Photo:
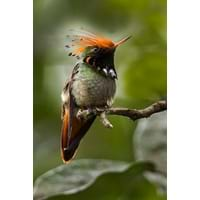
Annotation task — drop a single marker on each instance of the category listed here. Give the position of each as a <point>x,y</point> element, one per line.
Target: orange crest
<point>80,40</point>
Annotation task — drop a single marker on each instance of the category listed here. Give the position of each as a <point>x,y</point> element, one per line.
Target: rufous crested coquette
<point>92,85</point>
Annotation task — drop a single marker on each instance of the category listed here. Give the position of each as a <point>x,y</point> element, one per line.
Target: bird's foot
<point>86,113</point>
<point>104,120</point>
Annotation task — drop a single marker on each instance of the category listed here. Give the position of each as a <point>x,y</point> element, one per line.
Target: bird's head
<point>94,50</point>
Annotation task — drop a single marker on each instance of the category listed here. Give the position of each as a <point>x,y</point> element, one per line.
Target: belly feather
<point>96,91</point>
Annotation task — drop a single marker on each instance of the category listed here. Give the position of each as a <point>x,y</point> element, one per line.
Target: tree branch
<point>133,114</point>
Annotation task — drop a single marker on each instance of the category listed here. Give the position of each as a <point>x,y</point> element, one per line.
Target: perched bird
<point>91,85</point>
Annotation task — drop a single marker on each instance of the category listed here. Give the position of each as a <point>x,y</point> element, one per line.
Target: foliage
<point>80,174</point>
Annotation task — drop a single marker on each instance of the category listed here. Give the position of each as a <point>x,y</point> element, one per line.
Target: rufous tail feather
<point>79,129</point>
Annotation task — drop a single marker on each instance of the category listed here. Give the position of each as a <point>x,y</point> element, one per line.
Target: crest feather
<point>80,41</point>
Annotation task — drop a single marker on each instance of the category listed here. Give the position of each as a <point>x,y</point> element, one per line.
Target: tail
<point>78,130</point>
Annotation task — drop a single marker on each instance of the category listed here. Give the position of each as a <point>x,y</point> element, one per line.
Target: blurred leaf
<point>79,175</point>
<point>150,143</point>
<point>158,179</point>
<point>150,140</point>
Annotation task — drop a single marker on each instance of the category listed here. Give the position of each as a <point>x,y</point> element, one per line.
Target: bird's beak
<point>122,41</point>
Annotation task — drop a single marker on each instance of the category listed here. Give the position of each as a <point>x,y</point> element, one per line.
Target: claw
<point>81,114</point>
<point>84,114</point>
<point>105,121</point>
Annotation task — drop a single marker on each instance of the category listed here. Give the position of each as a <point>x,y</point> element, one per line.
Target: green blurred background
<point>140,63</point>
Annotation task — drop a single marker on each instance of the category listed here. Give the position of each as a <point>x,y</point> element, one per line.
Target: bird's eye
<point>95,49</point>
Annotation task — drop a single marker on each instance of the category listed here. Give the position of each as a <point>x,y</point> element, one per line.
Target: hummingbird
<point>92,85</point>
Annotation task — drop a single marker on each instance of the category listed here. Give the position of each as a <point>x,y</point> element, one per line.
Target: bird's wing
<point>73,129</point>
